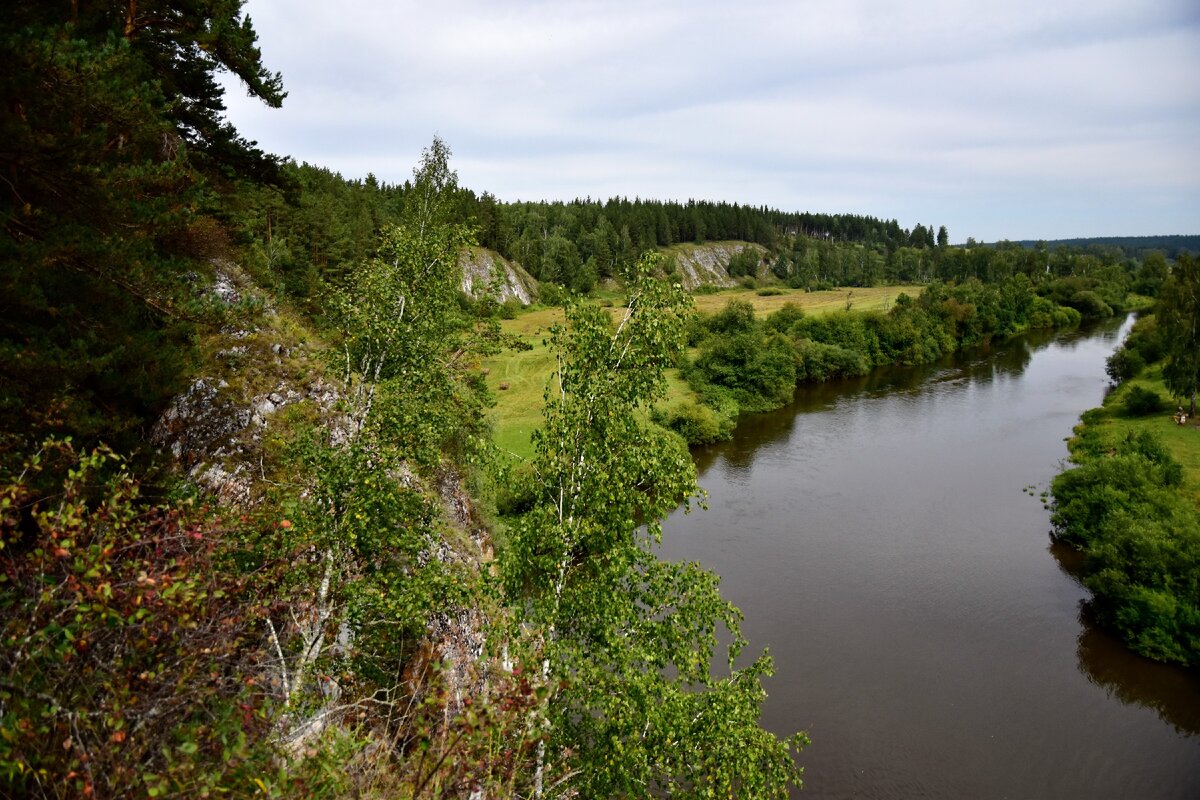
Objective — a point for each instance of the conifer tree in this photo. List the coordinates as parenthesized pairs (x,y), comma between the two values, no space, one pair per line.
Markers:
(112,136)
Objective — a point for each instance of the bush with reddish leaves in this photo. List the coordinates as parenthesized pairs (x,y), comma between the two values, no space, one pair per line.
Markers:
(127,654)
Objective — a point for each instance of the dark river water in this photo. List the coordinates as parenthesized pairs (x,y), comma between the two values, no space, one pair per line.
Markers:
(887,542)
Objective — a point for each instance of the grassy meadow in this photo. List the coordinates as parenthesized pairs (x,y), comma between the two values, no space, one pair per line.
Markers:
(518,379)
(1114,423)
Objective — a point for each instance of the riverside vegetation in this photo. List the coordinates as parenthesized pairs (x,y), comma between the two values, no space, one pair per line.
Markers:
(250,542)
(743,364)
(1132,503)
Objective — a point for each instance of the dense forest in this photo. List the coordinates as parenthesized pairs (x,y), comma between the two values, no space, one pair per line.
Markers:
(574,245)
(249,536)
(310,230)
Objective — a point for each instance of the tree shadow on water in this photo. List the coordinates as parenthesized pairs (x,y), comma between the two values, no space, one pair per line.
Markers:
(1172,691)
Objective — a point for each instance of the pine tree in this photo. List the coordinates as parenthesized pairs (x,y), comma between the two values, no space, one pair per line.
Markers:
(112,133)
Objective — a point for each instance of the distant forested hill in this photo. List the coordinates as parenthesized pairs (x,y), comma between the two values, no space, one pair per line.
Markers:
(1130,246)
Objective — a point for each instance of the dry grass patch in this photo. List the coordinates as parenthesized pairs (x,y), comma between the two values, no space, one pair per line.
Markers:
(874,298)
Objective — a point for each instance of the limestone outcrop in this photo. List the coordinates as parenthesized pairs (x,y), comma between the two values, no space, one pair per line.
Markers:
(700,264)
(261,370)
(487,271)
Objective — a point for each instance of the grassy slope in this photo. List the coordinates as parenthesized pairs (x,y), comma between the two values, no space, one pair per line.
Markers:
(1183,441)
(519,407)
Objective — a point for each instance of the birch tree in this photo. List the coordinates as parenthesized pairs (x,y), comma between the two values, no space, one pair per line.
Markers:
(370,580)
(626,641)
(1179,319)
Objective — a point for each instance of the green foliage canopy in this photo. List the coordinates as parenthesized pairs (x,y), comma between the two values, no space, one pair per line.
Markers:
(627,640)
(1142,540)
(1179,322)
(112,136)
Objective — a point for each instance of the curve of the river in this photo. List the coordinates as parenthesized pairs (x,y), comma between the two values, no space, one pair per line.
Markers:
(884,541)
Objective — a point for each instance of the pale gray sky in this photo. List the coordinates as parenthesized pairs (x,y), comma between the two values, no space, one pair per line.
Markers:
(1022,119)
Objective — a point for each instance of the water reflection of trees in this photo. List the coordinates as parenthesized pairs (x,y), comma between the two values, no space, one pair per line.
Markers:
(754,431)
(980,365)
(1171,691)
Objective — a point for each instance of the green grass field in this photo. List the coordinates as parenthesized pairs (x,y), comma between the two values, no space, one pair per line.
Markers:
(518,379)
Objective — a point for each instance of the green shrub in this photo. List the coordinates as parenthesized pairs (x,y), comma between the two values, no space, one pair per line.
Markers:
(1146,340)
(783,319)
(744,263)
(518,494)
(510,308)
(722,401)
(696,330)
(1066,317)
(1142,401)
(736,317)
(817,362)
(851,330)
(551,294)
(770,291)
(696,423)
(1141,536)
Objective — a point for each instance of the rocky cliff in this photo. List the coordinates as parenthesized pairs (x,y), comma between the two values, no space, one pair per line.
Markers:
(265,378)
(699,264)
(487,271)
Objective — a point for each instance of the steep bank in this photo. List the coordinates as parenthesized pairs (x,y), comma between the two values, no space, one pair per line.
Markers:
(265,386)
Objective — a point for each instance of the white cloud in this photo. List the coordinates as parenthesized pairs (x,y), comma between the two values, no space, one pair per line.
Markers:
(995,120)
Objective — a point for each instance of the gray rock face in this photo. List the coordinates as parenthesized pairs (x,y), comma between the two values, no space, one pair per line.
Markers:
(212,434)
(484,270)
(707,263)
(215,432)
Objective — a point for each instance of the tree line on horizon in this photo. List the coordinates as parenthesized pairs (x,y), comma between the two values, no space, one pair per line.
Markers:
(316,223)
(1137,247)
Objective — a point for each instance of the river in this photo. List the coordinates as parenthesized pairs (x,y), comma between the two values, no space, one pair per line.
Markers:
(887,540)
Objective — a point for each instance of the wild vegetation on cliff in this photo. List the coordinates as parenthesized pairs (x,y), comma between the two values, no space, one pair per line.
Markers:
(320,610)
(248,534)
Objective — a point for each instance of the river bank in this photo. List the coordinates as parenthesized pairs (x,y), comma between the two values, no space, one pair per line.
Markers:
(879,537)
(1131,506)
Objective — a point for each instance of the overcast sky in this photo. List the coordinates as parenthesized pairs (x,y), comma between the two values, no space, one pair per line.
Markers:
(1024,119)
